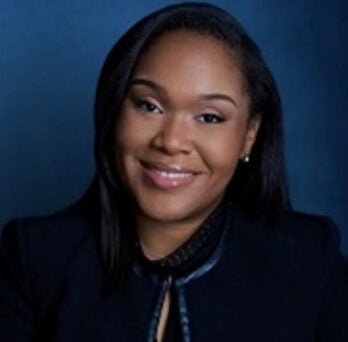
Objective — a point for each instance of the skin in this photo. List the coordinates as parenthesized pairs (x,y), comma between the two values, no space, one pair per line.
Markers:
(186,111)
(186,108)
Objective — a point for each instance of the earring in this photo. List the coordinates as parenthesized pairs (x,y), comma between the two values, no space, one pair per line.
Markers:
(245,159)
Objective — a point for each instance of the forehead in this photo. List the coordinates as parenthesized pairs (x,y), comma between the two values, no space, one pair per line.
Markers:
(191,60)
(183,42)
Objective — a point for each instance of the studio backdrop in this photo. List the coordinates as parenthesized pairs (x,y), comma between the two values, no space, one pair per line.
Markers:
(52,51)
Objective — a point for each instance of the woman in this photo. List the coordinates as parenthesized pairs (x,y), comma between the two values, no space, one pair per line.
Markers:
(186,233)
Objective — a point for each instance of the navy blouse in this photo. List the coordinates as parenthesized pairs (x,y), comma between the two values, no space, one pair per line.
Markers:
(257,280)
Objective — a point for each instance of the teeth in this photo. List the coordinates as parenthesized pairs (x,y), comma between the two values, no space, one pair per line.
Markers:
(173,174)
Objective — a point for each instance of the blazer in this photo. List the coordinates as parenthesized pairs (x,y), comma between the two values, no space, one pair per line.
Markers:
(283,281)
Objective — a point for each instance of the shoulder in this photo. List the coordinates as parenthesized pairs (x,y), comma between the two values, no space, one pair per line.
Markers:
(300,241)
(48,241)
(295,220)
(312,233)
(41,257)
(293,227)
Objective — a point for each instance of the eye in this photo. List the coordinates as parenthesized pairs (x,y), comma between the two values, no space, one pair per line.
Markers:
(210,118)
(147,106)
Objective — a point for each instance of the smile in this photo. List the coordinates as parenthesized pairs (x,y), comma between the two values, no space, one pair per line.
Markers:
(173,175)
(166,177)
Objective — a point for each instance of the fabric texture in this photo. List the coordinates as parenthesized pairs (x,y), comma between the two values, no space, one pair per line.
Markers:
(194,251)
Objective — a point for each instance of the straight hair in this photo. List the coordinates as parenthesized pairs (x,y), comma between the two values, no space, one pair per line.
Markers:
(257,188)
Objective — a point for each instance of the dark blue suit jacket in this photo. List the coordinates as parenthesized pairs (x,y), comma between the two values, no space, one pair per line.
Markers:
(285,281)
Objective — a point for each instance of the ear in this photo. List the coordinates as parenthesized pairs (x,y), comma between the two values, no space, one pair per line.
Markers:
(253,126)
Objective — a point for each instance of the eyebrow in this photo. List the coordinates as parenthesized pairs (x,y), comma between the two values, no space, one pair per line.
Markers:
(144,82)
(219,96)
(158,88)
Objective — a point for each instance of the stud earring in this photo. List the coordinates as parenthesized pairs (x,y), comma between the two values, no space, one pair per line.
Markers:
(245,159)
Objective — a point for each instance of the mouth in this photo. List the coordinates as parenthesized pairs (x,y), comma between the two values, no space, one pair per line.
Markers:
(168,176)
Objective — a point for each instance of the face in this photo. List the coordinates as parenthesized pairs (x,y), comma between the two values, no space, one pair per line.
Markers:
(183,127)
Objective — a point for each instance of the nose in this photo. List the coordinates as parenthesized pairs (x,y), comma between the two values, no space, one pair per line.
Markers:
(173,136)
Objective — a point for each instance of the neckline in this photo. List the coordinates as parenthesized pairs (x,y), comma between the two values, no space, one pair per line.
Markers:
(192,253)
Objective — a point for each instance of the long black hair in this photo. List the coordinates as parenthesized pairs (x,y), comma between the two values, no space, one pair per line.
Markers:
(257,187)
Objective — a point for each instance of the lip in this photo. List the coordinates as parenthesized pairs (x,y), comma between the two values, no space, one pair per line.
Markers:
(168,176)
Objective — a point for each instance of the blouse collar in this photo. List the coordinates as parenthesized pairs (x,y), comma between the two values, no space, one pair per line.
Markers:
(192,253)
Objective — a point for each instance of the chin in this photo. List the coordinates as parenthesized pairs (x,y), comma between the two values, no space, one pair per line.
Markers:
(176,211)
(165,213)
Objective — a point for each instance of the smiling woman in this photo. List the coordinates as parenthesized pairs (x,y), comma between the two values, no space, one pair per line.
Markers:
(186,233)
(176,175)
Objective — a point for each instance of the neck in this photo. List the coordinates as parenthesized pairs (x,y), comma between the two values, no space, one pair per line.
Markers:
(159,239)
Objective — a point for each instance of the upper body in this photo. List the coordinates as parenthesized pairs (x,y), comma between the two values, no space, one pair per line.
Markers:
(188,118)
(280,281)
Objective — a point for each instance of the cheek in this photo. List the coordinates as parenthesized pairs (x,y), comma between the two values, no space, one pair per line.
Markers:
(222,151)
(224,164)
(125,132)
(128,135)
(131,140)
(133,131)
(124,144)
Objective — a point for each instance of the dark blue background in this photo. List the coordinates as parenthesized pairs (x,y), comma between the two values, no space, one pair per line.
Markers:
(50,56)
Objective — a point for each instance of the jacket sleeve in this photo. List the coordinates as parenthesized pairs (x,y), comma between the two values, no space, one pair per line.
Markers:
(333,322)
(16,304)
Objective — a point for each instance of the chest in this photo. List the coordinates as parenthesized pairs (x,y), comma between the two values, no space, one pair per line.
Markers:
(228,303)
